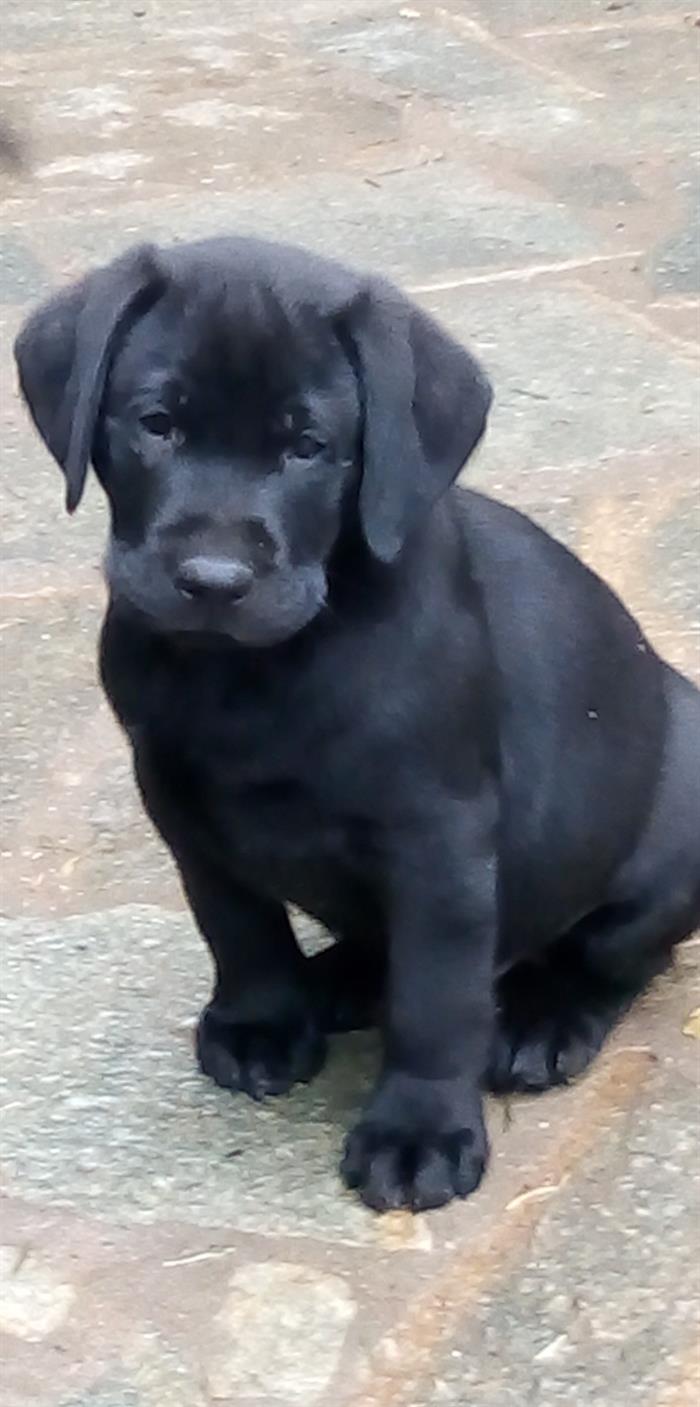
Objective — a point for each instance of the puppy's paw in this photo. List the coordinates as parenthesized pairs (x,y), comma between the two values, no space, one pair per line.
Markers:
(552,1021)
(534,1061)
(420,1144)
(258,1059)
(391,1169)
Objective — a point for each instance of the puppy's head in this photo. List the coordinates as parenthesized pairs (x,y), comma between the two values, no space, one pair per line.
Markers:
(248,409)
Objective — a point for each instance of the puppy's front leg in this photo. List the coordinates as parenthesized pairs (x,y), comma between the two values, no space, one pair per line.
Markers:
(421,1140)
(258,1033)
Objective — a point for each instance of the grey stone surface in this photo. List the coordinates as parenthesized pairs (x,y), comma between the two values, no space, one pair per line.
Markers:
(292,1354)
(677,556)
(22,275)
(105,1397)
(34,1302)
(410,215)
(73,825)
(604,1308)
(676,261)
(490,95)
(594,185)
(110,1113)
(573,379)
(516,17)
(652,105)
(101,21)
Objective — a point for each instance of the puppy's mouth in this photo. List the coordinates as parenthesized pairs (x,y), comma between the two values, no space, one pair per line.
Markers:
(275,607)
(202,640)
(208,634)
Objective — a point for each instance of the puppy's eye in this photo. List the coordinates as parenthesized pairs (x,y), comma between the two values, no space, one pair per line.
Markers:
(307,446)
(158,423)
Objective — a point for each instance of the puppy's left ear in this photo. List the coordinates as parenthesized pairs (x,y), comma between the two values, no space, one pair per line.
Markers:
(64,352)
(426,401)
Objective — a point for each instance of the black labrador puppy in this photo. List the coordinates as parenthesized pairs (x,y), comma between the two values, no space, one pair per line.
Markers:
(352,687)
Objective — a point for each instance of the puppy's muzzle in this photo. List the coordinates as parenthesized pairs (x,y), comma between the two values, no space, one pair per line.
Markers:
(222,580)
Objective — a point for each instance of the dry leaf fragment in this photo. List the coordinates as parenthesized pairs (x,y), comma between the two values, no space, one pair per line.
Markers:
(692,1025)
(533,1194)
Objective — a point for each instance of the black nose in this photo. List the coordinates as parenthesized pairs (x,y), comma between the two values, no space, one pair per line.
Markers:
(214,578)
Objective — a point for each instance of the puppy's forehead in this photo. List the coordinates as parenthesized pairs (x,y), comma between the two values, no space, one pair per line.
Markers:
(243,316)
(247,329)
(294,276)
(255,291)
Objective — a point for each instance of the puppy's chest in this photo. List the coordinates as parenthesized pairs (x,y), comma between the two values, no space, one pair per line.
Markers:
(273,788)
(289,836)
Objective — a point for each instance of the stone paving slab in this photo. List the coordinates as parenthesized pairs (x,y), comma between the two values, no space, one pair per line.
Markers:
(74,828)
(528,168)
(575,379)
(102,22)
(572,1325)
(105,1077)
(481,226)
(135,1187)
(517,18)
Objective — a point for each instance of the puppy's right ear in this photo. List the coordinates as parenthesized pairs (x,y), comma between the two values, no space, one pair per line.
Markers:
(64,352)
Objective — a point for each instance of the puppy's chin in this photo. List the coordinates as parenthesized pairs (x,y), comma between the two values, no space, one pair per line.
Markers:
(279,607)
(260,634)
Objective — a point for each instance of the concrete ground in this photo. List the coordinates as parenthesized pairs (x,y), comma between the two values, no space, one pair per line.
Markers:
(526,167)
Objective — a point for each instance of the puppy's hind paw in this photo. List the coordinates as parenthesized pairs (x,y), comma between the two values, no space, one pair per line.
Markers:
(540,1060)
(553,1019)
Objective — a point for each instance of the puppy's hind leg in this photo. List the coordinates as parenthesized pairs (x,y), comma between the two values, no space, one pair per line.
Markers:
(555,1014)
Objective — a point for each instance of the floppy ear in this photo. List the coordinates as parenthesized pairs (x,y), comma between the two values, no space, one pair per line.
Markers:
(64,351)
(426,401)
